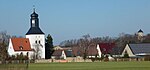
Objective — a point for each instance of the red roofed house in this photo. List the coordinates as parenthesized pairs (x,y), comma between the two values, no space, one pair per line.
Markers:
(19,45)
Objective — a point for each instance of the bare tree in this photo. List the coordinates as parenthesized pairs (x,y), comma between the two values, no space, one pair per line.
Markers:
(3,51)
(4,39)
(37,51)
(83,45)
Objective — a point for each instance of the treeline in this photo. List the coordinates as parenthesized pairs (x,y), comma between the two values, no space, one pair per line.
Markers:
(87,41)
(120,41)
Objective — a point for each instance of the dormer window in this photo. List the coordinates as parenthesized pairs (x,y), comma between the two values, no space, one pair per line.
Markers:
(21,47)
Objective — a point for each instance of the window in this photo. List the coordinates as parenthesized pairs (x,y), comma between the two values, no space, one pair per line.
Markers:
(33,23)
(27,53)
(21,47)
(39,42)
(36,41)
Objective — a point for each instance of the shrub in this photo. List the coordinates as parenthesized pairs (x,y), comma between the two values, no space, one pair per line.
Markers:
(126,55)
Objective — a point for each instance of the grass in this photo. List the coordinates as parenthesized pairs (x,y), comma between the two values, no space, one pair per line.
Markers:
(143,65)
(92,66)
(13,66)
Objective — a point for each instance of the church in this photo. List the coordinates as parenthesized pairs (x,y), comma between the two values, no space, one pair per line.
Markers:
(33,44)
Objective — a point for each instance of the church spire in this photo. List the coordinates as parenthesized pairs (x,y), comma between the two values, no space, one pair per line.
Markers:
(34,15)
(34,21)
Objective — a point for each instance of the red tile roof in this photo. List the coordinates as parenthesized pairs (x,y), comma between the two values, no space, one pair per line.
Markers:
(21,44)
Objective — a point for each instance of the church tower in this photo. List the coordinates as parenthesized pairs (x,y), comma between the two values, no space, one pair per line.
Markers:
(36,37)
(140,35)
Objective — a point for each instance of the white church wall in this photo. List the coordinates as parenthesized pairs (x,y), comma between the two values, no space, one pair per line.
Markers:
(40,38)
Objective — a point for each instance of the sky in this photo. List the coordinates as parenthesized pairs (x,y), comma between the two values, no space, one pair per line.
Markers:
(71,19)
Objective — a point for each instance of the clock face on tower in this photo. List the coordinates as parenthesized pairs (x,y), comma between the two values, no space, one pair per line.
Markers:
(33,23)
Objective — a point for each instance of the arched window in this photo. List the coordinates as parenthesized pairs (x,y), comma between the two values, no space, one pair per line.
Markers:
(33,23)
(36,41)
(39,42)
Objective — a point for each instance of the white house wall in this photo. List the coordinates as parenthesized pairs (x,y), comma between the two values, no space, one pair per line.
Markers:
(128,50)
(37,37)
(99,51)
(63,55)
(24,53)
(10,48)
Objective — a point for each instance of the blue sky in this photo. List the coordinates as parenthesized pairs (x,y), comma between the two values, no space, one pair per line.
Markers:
(70,19)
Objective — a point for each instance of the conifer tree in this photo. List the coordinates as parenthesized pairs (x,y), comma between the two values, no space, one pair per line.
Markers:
(48,46)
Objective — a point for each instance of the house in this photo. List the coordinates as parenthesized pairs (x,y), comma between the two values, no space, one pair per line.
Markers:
(59,54)
(101,49)
(117,51)
(61,48)
(137,50)
(18,46)
(57,48)
(94,51)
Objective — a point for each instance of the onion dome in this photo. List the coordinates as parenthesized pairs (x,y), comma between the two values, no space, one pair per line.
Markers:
(140,31)
(34,14)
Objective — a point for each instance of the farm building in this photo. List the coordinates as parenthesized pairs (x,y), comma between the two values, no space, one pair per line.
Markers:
(137,50)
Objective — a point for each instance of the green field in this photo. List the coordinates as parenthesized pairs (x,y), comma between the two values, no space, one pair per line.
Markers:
(92,66)
(84,66)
